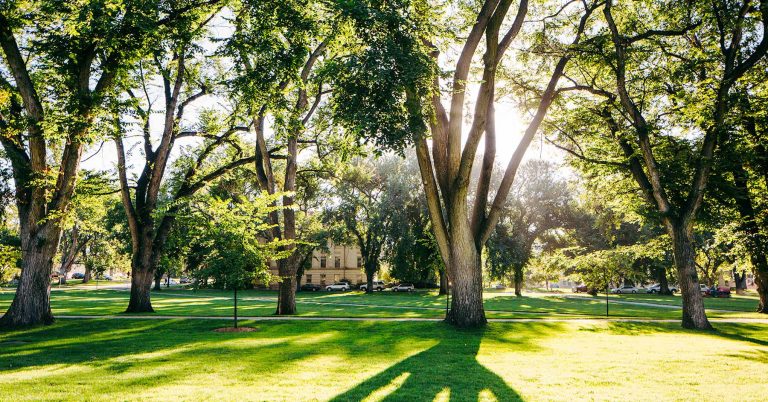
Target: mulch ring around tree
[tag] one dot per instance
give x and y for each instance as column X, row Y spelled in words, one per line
column 238, row 329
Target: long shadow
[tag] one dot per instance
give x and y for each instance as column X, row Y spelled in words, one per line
column 449, row 369
column 742, row 332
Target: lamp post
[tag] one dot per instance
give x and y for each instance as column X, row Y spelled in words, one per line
column 447, row 297
column 605, row 274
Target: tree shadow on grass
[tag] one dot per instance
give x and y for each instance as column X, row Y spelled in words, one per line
column 447, row 370
column 742, row 332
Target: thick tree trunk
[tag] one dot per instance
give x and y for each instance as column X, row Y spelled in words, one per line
column 142, row 276
column 518, row 281
column 144, row 261
column 287, row 298
column 663, row 282
column 140, row 302
column 466, row 277
column 32, row 303
column 761, row 280
column 370, row 271
column 158, row 280
column 286, row 302
column 87, row 274
column 694, row 315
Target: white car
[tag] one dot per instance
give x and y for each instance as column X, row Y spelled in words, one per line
column 625, row 289
column 343, row 286
column 656, row 288
column 403, row 287
column 377, row 285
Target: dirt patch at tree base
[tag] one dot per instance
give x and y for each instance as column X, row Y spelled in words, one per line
column 238, row 329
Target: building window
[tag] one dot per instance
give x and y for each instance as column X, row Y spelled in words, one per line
column 309, row 278
column 323, row 261
column 322, row 279
column 359, row 262
column 337, row 262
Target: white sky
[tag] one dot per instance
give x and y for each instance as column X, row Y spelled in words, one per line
column 510, row 126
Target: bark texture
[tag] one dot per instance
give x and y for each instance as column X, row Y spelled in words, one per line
column 32, row 303
column 518, row 274
column 694, row 315
column 286, row 302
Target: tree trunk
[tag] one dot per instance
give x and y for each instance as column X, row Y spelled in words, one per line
column 694, row 315
column 370, row 271
column 443, row 282
column 761, row 280
column 87, row 274
column 466, row 277
column 518, row 281
column 286, row 303
column 32, row 303
column 142, row 276
column 663, row 282
column 158, row 281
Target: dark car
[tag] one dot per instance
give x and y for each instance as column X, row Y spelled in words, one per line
column 310, row 287
column 581, row 289
column 78, row 275
column 718, row 292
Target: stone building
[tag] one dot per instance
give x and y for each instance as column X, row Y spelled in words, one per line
column 340, row 262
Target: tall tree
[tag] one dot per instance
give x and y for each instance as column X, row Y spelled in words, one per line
column 538, row 203
column 151, row 204
column 284, row 53
column 72, row 56
column 645, row 106
column 743, row 176
column 414, row 93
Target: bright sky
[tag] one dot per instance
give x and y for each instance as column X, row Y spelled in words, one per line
column 510, row 128
column 510, row 123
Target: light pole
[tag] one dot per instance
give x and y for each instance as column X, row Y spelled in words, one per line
column 447, row 297
column 605, row 274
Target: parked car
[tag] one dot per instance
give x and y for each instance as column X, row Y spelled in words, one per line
column 106, row 278
column 625, row 289
column 184, row 279
column 403, row 287
column 580, row 289
column 498, row 286
column 78, row 275
column 343, row 286
column 657, row 288
column 703, row 288
column 718, row 292
column 377, row 285
column 310, row 287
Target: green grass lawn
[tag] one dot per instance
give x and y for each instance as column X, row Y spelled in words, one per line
column 103, row 359
column 186, row 302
